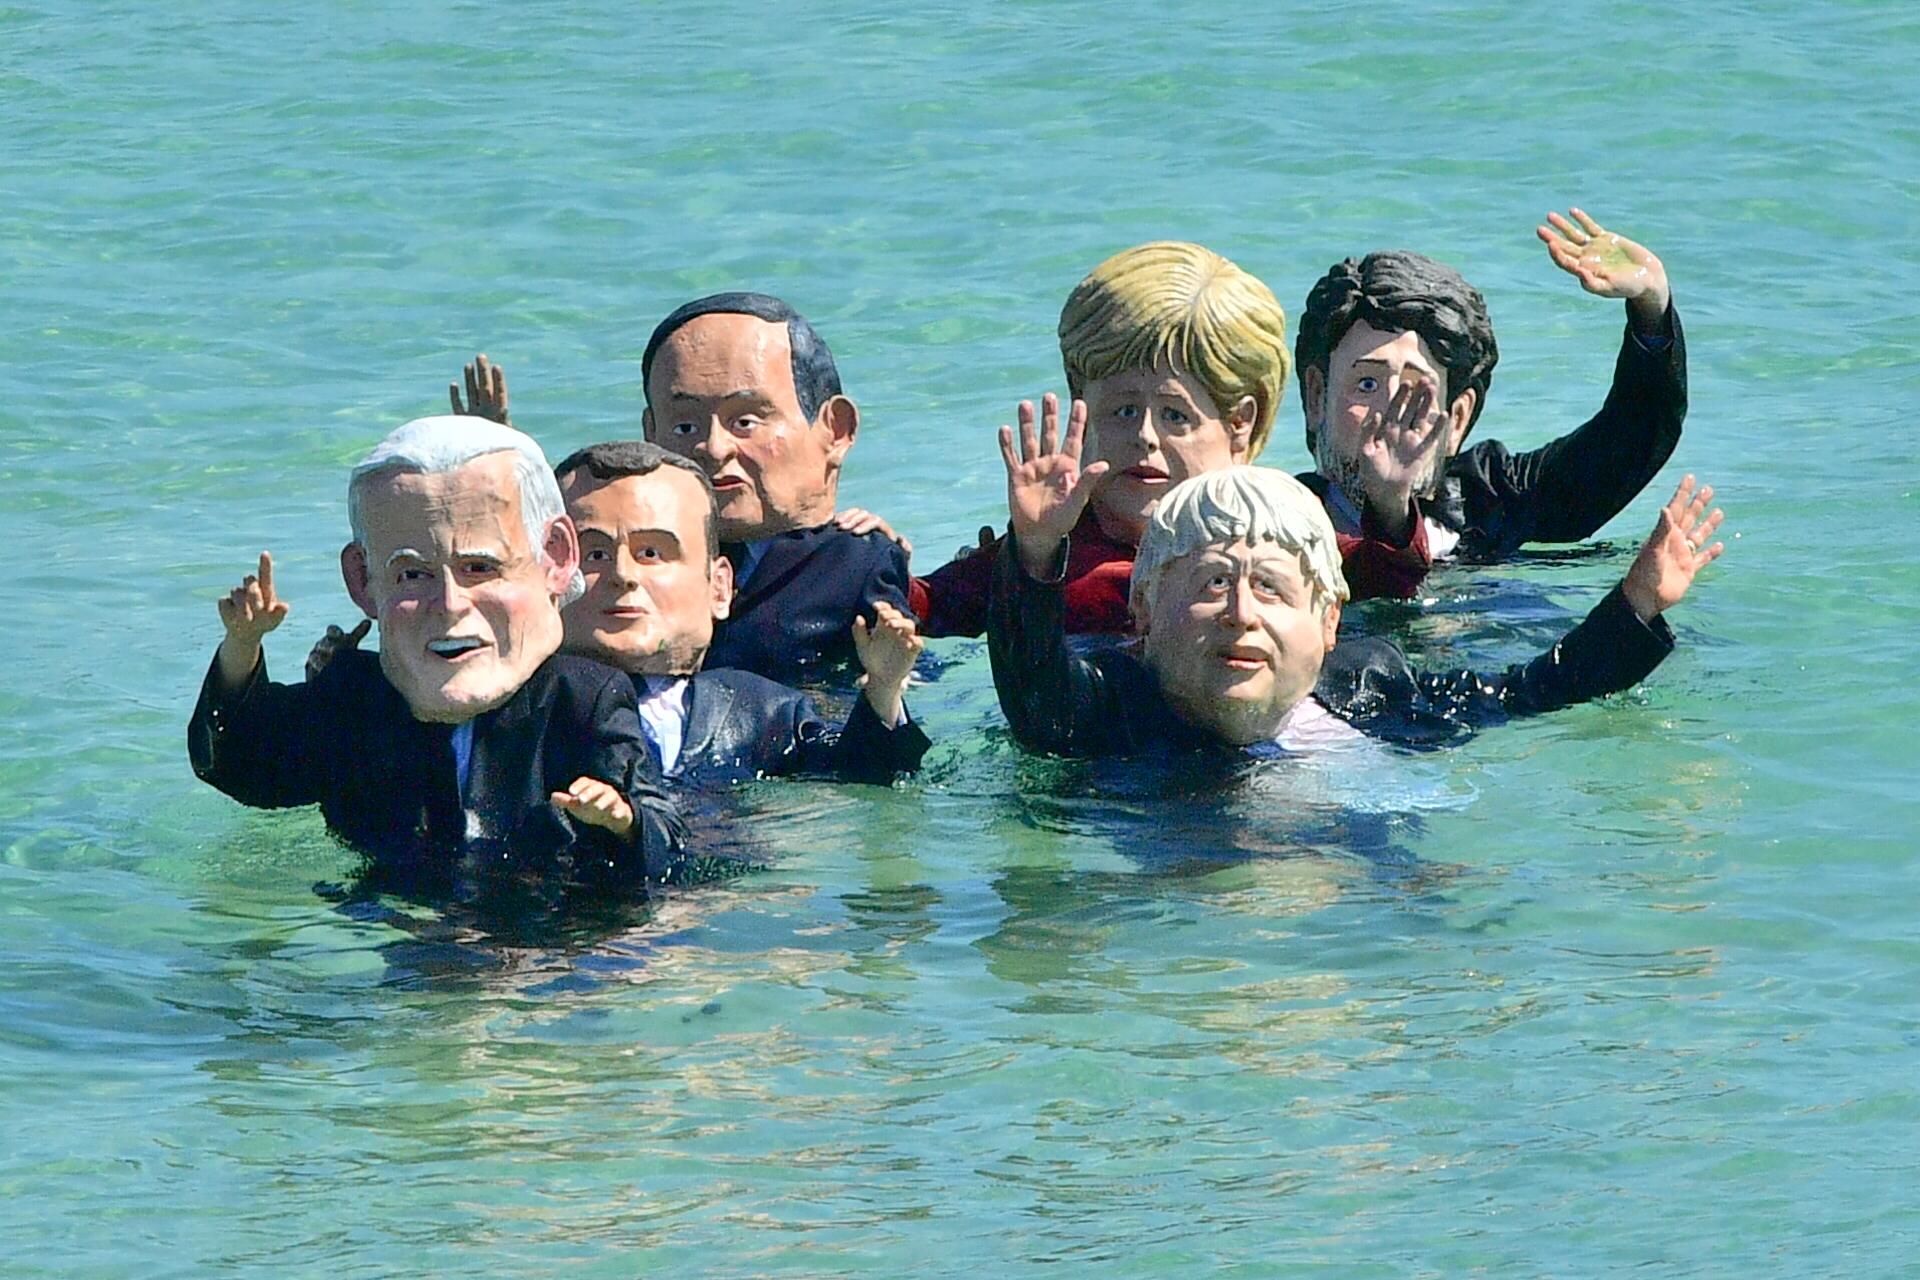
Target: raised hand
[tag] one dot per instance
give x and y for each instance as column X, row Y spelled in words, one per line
column 1399, row 452
column 858, row 520
column 1677, row 550
column 888, row 650
column 248, row 612
column 596, row 803
column 1046, row 487
column 486, row 392
column 332, row 643
column 1607, row 264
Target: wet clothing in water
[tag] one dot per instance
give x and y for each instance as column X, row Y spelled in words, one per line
column 1107, row 702
column 794, row 606
column 1492, row 502
column 390, row 785
column 953, row 601
column 734, row 725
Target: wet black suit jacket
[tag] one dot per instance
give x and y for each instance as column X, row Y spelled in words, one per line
column 792, row 620
column 1107, row 702
column 386, row 782
column 740, row 726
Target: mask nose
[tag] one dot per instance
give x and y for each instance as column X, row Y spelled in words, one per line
column 718, row 445
column 454, row 598
column 1240, row 612
column 626, row 569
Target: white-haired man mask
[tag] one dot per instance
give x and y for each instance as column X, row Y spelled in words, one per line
column 1236, row 597
column 468, row 749
column 463, row 552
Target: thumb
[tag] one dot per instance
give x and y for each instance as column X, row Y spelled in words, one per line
column 359, row 633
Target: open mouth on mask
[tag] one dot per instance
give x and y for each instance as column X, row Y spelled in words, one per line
column 455, row 646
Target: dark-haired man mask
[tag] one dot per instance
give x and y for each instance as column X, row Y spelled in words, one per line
column 741, row 385
column 1395, row 357
column 721, row 391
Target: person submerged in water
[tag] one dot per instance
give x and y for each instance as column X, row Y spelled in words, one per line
column 1236, row 599
column 656, row 588
column 468, row 754
column 1395, row 357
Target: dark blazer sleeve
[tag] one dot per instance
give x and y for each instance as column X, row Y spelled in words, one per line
column 864, row 750
column 887, row 577
column 1054, row 700
column 268, row 745
column 1371, row 684
column 656, row 845
column 1566, row 490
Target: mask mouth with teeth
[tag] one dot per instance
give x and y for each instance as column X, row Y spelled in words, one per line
column 465, row 598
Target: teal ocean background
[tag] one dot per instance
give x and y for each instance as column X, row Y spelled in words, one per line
column 1629, row 989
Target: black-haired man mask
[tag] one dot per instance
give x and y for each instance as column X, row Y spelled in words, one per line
column 1395, row 356
column 742, row 385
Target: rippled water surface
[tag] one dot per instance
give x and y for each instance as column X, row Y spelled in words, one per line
column 1631, row 987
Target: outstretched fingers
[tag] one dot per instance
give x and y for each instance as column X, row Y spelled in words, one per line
column 1577, row 235
column 1007, row 455
column 1076, row 430
column 1029, row 440
column 1587, row 224
column 1049, row 423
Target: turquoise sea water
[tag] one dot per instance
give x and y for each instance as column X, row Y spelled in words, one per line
column 1627, row 988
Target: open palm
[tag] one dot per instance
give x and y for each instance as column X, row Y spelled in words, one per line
column 1677, row 550
column 1047, row 489
column 1605, row 263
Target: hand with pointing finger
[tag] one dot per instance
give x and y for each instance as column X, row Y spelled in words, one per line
column 1047, row 489
column 248, row 612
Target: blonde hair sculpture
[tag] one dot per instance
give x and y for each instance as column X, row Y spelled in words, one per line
column 1171, row 302
column 1257, row 504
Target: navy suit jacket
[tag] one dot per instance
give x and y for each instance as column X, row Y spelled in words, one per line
column 387, row 783
column 742, row 726
column 792, row 619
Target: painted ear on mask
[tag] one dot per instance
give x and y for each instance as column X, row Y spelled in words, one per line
column 720, row 580
column 841, row 417
column 1330, row 624
column 1239, row 423
column 1460, row 415
column 561, row 548
column 646, row 425
column 1137, row 611
column 353, row 572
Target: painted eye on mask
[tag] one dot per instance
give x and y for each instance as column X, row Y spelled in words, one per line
column 1367, row 385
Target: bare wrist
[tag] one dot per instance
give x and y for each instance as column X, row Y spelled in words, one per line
column 237, row 660
column 1641, row 600
column 887, row 701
